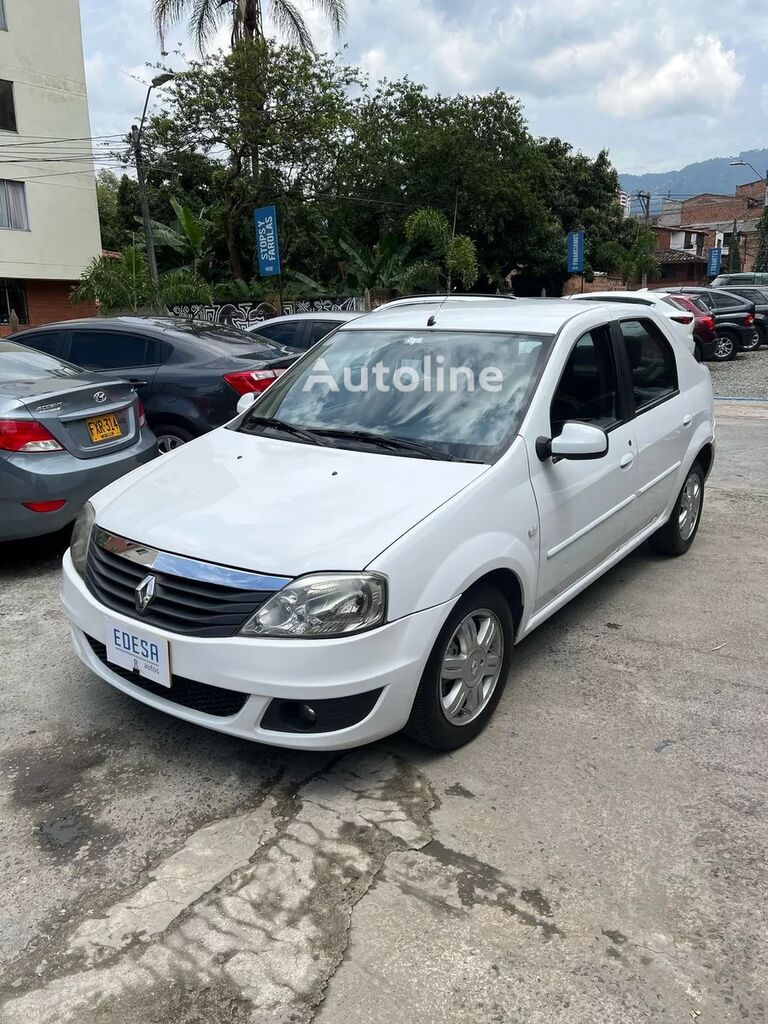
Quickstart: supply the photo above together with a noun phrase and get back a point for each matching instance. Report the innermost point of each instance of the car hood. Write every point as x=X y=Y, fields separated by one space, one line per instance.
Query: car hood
x=277 y=506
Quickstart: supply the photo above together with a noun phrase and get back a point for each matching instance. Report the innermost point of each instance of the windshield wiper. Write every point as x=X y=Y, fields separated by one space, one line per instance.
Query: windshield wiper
x=386 y=441
x=271 y=423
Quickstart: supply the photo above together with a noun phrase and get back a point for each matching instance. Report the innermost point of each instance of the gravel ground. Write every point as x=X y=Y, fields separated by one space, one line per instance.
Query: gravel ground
x=744 y=377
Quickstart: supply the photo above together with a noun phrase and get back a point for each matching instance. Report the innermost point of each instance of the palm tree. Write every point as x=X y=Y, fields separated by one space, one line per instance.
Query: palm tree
x=246 y=18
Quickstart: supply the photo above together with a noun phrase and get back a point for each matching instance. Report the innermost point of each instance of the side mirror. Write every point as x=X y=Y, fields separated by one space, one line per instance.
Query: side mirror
x=575 y=441
x=245 y=402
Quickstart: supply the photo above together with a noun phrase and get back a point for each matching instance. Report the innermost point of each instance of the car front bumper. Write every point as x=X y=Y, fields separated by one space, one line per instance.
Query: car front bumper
x=53 y=476
x=391 y=658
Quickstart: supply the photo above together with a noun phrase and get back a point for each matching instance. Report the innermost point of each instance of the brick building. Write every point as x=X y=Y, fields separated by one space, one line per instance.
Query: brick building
x=49 y=221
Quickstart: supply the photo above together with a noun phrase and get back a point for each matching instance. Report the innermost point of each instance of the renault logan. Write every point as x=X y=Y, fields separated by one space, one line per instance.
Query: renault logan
x=360 y=550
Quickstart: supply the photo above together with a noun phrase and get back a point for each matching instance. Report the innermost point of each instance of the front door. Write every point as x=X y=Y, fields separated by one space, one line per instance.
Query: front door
x=585 y=507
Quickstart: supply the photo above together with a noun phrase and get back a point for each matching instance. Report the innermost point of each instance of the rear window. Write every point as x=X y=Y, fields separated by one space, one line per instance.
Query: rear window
x=17 y=364
x=211 y=332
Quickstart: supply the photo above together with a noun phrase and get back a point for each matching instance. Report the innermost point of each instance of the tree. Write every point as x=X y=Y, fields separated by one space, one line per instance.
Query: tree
x=189 y=238
x=246 y=18
x=761 y=257
x=124 y=285
x=113 y=232
x=450 y=257
x=382 y=265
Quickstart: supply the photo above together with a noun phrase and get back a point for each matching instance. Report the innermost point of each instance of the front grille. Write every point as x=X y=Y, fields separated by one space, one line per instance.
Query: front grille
x=210 y=700
x=181 y=605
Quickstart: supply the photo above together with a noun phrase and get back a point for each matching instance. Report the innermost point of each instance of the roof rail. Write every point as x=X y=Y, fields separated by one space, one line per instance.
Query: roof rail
x=414 y=300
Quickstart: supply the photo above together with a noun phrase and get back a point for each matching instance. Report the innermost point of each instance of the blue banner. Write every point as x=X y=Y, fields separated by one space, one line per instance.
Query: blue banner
x=267 y=244
x=576 y=252
x=714 y=260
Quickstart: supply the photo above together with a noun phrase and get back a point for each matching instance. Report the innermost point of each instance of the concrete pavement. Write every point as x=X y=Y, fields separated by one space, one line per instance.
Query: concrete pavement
x=598 y=854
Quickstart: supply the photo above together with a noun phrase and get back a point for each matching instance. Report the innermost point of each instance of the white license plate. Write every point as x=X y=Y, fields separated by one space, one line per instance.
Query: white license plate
x=139 y=651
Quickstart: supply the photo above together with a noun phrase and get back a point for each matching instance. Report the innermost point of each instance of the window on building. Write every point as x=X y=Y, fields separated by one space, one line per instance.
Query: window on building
x=651 y=361
x=3 y=19
x=13 y=298
x=7 y=107
x=13 y=206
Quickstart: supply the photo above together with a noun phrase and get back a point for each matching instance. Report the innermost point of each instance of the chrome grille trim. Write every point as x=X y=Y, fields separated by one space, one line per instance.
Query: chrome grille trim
x=185 y=567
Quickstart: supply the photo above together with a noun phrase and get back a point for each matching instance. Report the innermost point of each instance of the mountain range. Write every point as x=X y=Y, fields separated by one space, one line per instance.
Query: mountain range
x=715 y=175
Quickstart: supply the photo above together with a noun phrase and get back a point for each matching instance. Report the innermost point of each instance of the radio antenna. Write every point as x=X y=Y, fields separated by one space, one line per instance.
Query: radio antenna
x=433 y=318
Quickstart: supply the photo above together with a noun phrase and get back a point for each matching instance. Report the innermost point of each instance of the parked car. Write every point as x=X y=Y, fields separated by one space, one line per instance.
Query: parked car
x=682 y=318
x=333 y=565
x=302 y=330
x=734 y=318
x=189 y=374
x=723 y=280
x=760 y=298
x=64 y=434
x=704 y=332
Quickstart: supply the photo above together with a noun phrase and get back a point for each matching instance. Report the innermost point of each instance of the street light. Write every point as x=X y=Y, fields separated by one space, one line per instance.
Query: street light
x=136 y=132
x=746 y=163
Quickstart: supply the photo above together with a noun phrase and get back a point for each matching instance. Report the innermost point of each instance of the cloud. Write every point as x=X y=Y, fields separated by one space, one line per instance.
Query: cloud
x=701 y=80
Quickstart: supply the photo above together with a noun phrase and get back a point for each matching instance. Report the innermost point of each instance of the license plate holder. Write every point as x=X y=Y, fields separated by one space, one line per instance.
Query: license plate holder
x=103 y=428
x=139 y=651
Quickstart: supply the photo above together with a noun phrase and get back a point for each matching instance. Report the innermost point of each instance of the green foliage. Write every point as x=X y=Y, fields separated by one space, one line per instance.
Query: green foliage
x=761 y=258
x=378 y=266
x=190 y=238
x=113 y=233
x=450 y=257
x=124 y=285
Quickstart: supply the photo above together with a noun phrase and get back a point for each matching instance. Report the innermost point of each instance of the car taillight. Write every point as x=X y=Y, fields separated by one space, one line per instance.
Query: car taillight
x=142 y=414
x=246 y=381
x=708 y=322
x=683 y=319
x=27 y=436
x=749 y=319
x=45 y=506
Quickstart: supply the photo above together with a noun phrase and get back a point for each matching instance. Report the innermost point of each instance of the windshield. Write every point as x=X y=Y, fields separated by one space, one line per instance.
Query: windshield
x=462 y=393
x=18 y=364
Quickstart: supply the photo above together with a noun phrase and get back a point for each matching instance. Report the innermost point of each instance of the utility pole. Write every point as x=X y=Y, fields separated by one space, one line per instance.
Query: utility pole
x=645 y=203
x=148 y=237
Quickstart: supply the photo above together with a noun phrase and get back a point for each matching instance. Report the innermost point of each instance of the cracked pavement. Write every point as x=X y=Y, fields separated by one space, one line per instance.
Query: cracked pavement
x=598 y=854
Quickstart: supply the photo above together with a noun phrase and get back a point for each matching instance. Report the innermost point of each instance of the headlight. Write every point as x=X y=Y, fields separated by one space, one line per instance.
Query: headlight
x=81 y=534
x=323 y=605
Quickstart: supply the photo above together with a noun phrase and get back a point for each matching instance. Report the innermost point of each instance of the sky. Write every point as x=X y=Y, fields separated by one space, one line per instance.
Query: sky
x=660 y=85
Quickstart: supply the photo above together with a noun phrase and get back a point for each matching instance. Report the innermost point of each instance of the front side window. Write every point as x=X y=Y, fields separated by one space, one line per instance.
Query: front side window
x=7 y=107
x=13 y=299
x=587 y=391
x=651 y=362
x=463 y=393
x=318 y=330
x=107 y=350
x=13 y=206
x=282 y=334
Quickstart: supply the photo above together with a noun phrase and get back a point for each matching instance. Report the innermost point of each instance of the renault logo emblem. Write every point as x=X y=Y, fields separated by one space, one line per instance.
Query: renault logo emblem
x=100 y=396
x=144 y=594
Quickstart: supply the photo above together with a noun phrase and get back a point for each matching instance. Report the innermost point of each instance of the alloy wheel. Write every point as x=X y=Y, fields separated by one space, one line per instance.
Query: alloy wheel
x=690 y=506
x=168 y=442
x=471 y=667
x=724 y=347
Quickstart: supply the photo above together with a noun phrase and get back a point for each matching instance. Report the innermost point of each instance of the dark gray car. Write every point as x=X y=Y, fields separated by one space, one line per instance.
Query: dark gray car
x=64 y=434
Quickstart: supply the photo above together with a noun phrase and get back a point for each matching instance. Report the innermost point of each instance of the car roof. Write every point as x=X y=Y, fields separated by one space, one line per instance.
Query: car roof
x=618 y=296
x=333 y=315
x=158 y=325
x=523 y=316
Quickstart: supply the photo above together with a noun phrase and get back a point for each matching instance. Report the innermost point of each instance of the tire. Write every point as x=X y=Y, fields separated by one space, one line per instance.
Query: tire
x=429 y=722
x=725 y=348
x=170 y=436
x=754 y=343
x=676 y=536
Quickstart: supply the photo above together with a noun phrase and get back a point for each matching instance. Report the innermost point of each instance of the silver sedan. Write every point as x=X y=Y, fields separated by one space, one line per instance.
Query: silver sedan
x=64 y=434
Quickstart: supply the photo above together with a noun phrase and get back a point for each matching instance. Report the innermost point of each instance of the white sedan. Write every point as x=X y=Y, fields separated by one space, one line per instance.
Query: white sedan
x=301 y=330
x=659 y=301
x=360 y=550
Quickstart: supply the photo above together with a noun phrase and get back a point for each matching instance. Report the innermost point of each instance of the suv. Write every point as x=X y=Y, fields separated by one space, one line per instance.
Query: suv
x=361 y=549
x=704 y=334
x=188 y=374
x=760 y=298
x=723 y=280
x=734 y=318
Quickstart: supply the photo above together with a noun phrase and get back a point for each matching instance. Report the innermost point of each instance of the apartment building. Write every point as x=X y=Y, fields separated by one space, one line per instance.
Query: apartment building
x=49 y=223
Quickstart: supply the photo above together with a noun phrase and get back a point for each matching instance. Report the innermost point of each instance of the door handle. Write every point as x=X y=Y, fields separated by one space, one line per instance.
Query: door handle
x=687 y=420
x=627 y=460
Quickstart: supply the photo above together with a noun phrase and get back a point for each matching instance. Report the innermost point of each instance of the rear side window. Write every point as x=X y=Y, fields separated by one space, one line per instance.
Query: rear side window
x=587 y=391
x=725 y=301
x=651 y=362
x=285 y=334
x=107 y=350
x=51 y=342
x=318 y=330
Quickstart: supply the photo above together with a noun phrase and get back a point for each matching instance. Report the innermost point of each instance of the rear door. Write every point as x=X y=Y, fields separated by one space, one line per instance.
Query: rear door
x=132 y=356
x=662 y=422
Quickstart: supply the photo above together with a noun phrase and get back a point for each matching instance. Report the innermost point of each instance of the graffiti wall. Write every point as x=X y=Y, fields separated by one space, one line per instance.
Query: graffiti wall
x=244 y=314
